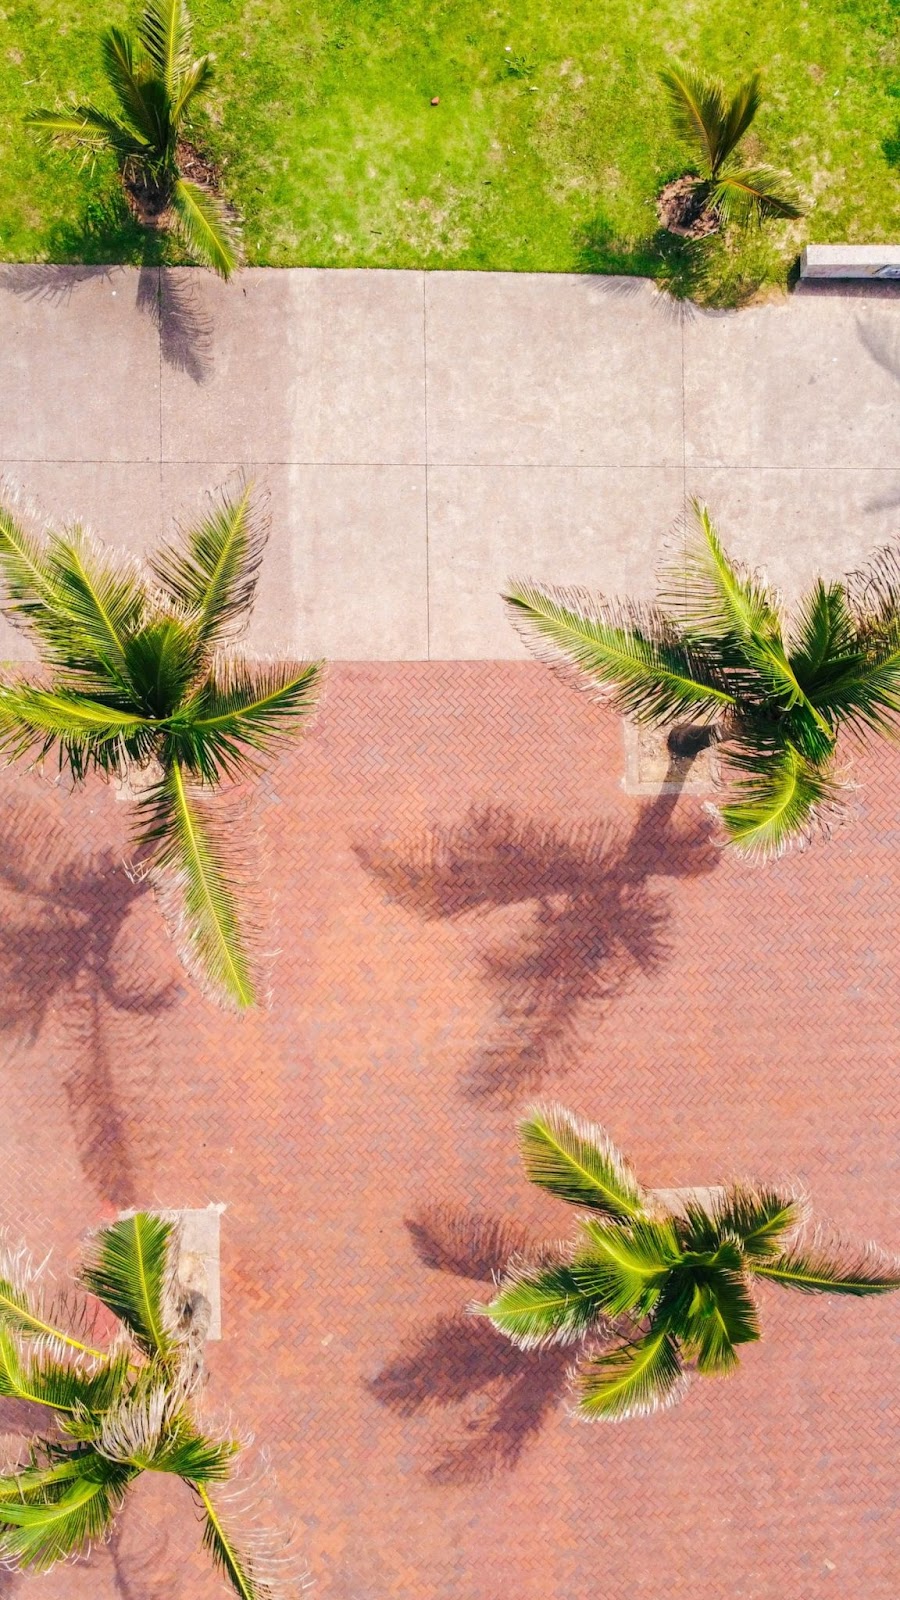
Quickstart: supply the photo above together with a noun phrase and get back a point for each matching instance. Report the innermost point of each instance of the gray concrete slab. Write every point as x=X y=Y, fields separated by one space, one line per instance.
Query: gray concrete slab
x=552 y=370
x=79 y=374
x=422 y=436
x=796 y=523
x=119 y=502
x=808 y=382
x=312 y=367
x=600 y=527
x=344 y=574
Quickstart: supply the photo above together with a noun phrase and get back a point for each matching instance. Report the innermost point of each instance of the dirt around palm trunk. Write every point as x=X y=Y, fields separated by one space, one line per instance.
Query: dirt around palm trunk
x=681 y=208
x=148 y=197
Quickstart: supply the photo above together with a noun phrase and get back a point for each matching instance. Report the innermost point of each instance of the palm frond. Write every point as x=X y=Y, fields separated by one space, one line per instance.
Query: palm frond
x=161 y=661
x=751 y=195
x=830 y=1266
x=165 y=33
x=647 y=672
x=132 y=1269
x=873 y=594
x=700 y=114
x=823 y=639
x=193 y=1455
x=721 y=1315
x=37 y=1535
x=545 y=1305
x=99 y=601
x=202 y=875
x=864 y=692
x=86 y=124
x=44 y=1380
x=205 y=228
x=211 y=572
x=25 y=571
x=192 y=82
x=742 y=109
x=779 y=801
x=758 y=1218
x=134 y=88
x=243 y=706
x=23 y=1310
x=633 y=1380
x=578 y=1161
x=625 y=1267
x=86 y=732
x=713 y=597
x=228 y=1559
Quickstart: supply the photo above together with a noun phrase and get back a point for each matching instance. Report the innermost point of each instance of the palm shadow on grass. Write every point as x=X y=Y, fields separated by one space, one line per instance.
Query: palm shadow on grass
x=67 y=954
x=723 y=271
x=105 y=238
x=597 y=918
x=501 y=1396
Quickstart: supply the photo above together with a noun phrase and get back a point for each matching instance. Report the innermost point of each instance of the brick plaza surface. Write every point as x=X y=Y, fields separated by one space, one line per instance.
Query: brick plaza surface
x=464 y=910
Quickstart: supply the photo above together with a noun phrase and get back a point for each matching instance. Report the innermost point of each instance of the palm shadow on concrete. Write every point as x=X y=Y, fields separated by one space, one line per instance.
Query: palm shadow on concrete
x=169 y=297
x=598 y=916
x=70 y=958
x=499 y=1397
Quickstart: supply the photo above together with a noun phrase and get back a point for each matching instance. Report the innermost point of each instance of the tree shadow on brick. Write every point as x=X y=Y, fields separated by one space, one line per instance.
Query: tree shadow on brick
x=64 y=953
x=502 y=1395
x=598 y=918
x=168 y=298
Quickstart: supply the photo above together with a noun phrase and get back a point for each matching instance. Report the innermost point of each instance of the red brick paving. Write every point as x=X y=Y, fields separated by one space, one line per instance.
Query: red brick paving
x=719 y=1019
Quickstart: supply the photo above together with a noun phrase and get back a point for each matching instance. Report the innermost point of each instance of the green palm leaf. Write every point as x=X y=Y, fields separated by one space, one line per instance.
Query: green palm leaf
x=160 y=662
x=577 y=1161
x=87 y=125
x=753 y=194
x=542 y=1305
x=98 y=602
x=624 y=1268
x=87 y=732
x=193 y=1456
x=39 y=1534
x=22 y=1309
x=243 y=706
x=226 y=1556
x=46 y=1381
x=25 y=570
x=134 y=89
x=634 y=1380
x=780 y=799
x=758 y=1218
x=650 y=674
x=824 y=641
x=197 y=77
x=132 y=1270
x=721 y=1314
x=165 y=32
x=211 y=572
x=700 y=114
x=205 y=227
x=830 y=1267
x=203 y=874
x=741 y=113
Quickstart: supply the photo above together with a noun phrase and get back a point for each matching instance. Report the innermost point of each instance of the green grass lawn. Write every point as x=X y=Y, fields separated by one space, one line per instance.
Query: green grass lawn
x=544 y=154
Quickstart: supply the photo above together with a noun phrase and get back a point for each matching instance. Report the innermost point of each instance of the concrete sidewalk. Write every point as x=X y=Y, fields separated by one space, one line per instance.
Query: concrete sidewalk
x=422 y=436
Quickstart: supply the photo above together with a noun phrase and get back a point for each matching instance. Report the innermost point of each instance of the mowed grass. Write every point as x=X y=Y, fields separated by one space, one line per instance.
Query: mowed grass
x=545 y=153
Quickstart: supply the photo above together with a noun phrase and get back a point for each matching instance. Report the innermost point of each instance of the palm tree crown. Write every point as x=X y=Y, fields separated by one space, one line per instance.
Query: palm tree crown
x=155 y=81
x=139 y=675
x=716 y=649
x=646 y=1287
x=111 y=1413
x=713 y=125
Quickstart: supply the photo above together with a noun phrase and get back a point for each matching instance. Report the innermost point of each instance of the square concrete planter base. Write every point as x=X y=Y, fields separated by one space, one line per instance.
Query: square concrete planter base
x=651 y=769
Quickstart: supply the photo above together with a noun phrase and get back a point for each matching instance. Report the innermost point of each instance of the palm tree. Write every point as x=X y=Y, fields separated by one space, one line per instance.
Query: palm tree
x=648 y=1286
x=111 y=1411
x=156 y=83
x=725 y=190
x=716 y=651
x=139 y=677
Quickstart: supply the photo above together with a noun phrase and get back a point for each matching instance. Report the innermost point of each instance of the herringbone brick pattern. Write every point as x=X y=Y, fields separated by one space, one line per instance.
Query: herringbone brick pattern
x=466 y=910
